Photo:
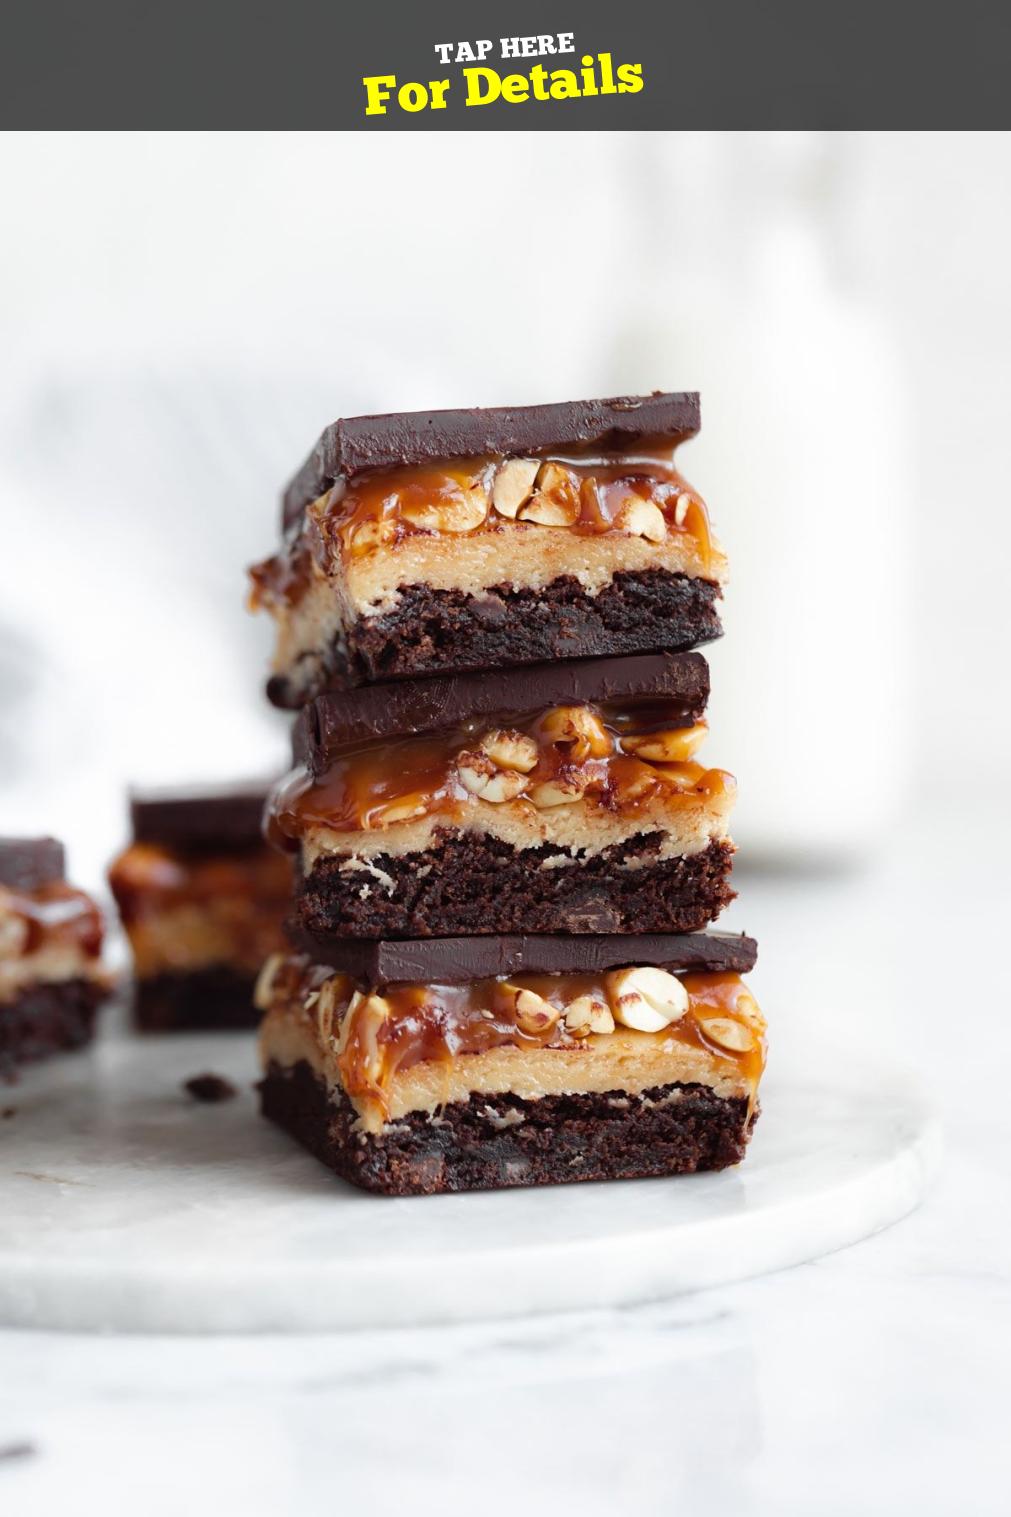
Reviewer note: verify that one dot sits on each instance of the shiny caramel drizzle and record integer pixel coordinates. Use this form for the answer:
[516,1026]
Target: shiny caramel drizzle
[54,915]
[377,1036]
[589,495]
[615,756]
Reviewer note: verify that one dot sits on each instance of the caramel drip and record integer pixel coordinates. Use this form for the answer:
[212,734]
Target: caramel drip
[384,506]
[53,915]
[726,995]
[586,748]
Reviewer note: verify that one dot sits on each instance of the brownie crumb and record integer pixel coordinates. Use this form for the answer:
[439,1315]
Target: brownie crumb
[8,1112]
[23,1450]
[209,1088]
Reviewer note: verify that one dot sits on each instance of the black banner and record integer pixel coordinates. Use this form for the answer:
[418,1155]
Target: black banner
[553,65]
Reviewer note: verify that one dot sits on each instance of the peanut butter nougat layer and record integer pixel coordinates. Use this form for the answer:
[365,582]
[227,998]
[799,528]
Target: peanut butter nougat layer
[560,532]
[526,1079]
[202,898]
[592,817]
[52,979]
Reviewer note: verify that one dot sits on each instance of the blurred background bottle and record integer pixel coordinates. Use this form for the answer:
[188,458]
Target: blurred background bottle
[804,459]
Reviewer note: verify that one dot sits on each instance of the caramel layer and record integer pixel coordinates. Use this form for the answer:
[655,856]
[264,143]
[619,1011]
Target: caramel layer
[617,760]
[420,1047]
[188,912]
[638,495]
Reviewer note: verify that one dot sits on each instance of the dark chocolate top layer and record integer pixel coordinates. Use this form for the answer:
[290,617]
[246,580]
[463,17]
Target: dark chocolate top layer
[29,863]
[229,817]
[362,443]
[456,961]
[409,707]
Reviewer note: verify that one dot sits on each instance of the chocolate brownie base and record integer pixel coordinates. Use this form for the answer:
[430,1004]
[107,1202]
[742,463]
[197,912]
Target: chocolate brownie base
[339,720]
[47,1018]
[449,631]
[480,885]
[494,1142]
[206,998]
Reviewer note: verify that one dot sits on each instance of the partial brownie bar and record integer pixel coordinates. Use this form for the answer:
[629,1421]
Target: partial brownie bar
[563,532]
[587,817]
[52,980]
[202,898]
[527,1079]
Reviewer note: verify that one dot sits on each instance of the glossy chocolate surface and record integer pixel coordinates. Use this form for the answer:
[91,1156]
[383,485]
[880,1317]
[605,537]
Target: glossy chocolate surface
[457,961]
[409,708]
[225,818]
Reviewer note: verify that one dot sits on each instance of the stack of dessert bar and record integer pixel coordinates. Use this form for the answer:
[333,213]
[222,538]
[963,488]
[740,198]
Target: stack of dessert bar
[508,846]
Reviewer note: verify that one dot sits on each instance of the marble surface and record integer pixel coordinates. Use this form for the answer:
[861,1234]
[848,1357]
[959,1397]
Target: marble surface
[873,1380]
[129,1207]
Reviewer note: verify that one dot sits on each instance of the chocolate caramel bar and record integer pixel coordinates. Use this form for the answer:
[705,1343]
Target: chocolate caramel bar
[447,541]
[51,975]
[648,1066]
[202,899]
[506,811]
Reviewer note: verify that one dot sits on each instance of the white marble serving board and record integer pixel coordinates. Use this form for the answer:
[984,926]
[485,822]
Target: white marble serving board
[127,1206]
